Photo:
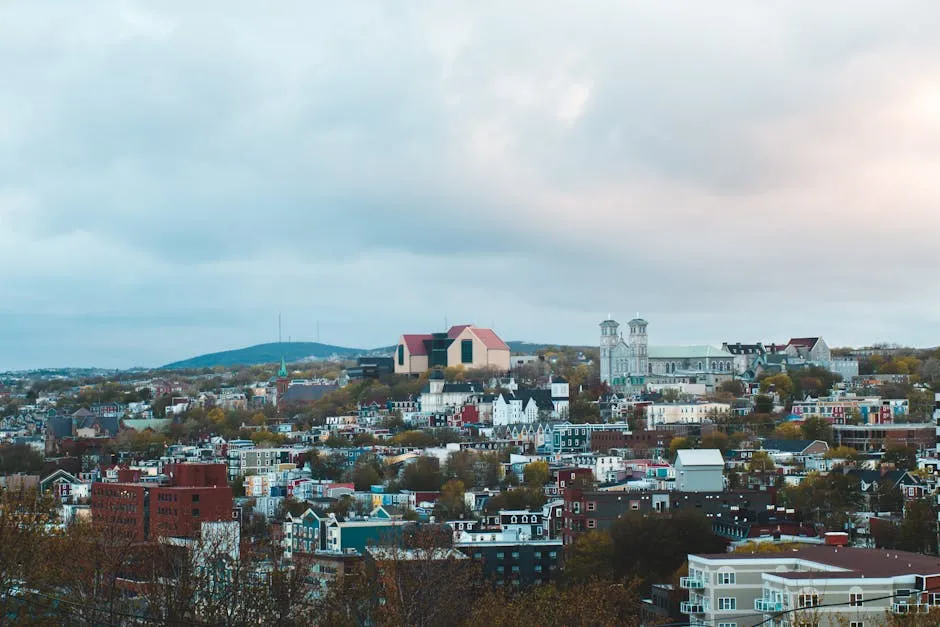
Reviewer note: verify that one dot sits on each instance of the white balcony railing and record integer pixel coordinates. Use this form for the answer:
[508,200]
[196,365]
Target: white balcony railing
[691,607]
[767,605]
[910,608]
[691,583]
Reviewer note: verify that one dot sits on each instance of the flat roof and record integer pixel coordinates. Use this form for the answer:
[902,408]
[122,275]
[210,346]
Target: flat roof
[850,561]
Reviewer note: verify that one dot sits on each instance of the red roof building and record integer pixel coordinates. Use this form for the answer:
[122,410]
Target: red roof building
[466,345]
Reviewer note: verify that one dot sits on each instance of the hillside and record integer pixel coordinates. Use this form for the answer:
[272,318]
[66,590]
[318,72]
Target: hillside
[298,351]
[268,354]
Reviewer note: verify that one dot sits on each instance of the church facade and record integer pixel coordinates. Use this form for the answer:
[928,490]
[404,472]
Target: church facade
[631,362]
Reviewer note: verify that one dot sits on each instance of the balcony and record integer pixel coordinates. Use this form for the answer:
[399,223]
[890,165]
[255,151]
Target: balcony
[691,607]
[691,583]
[767,605]
[910,608]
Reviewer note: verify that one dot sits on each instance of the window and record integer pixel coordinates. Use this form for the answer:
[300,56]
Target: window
[515,555]
[195,512]
[855,599]
[538,555]
[727,625]
[591,506]
[401,354]
[591,523]
[195,498]
[726,579]
[466,351]
[808,600]
[500,555]
[857,623]
[727,603]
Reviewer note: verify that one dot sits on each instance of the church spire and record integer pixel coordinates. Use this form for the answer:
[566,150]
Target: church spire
[282,371]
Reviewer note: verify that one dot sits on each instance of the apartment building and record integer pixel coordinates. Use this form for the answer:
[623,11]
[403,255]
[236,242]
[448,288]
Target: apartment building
[819,585]
[659,414]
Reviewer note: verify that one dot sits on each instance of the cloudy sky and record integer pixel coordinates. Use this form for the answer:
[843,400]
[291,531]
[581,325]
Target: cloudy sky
[174,174]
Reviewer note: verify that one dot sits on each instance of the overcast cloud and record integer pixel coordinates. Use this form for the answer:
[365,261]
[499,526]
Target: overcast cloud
[173,174]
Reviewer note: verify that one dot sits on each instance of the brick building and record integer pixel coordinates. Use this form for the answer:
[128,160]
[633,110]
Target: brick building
[192,494]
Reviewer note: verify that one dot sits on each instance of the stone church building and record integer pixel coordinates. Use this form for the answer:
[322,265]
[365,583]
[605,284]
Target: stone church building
[632,362]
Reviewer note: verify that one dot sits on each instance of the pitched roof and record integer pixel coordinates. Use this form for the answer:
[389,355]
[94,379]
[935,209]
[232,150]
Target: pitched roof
[700,457]
[456,330]
[489,339]
[806,342]
[786,446]
[415,343]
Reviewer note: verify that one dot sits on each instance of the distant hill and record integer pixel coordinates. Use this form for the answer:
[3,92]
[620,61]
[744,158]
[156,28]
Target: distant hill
[299,351]
[271,353]
[530,348]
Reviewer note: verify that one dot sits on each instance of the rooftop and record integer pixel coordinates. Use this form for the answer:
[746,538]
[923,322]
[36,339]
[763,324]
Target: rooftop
[846,562]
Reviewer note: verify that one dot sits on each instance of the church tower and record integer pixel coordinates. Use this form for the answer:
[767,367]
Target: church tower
[609,341]
[283,379]
[639,347]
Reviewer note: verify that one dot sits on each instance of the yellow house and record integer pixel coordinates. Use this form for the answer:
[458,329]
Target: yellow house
[465,345]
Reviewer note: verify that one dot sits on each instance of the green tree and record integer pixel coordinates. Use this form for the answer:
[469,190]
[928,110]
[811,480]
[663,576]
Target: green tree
[461,465]
[450,504]
[920,405]
[589,557]
[919,529]
[678,443]
[716,439]
[422,475]
[734,387]
[761,462]
[536,474]
[903,457]
[817,428]
[780,384]
[763,404]
[788,431]
[581,411]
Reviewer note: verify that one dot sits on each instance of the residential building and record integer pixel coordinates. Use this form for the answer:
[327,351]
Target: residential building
[193,494]
[466,345]
[820,585]
[658,414]
[511,557]
[699,470]
[920,436]
[587,509]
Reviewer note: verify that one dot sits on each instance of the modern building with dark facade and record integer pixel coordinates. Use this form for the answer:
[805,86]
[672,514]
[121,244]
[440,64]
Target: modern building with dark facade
[508,558]
[589,510]
[191,495]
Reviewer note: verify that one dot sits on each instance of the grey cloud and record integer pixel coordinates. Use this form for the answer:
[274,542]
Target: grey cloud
[530,164]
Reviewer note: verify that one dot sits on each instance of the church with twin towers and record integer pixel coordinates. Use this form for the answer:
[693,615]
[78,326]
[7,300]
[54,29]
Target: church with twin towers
[631,362]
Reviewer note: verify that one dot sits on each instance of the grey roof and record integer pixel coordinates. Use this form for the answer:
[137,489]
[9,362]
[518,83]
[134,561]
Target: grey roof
[305,393]
[700,457]
[687,352]
[787,446]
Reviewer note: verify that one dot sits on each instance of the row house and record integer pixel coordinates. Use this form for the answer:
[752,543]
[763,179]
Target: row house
[253,461]
[685,413]
[871,410]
